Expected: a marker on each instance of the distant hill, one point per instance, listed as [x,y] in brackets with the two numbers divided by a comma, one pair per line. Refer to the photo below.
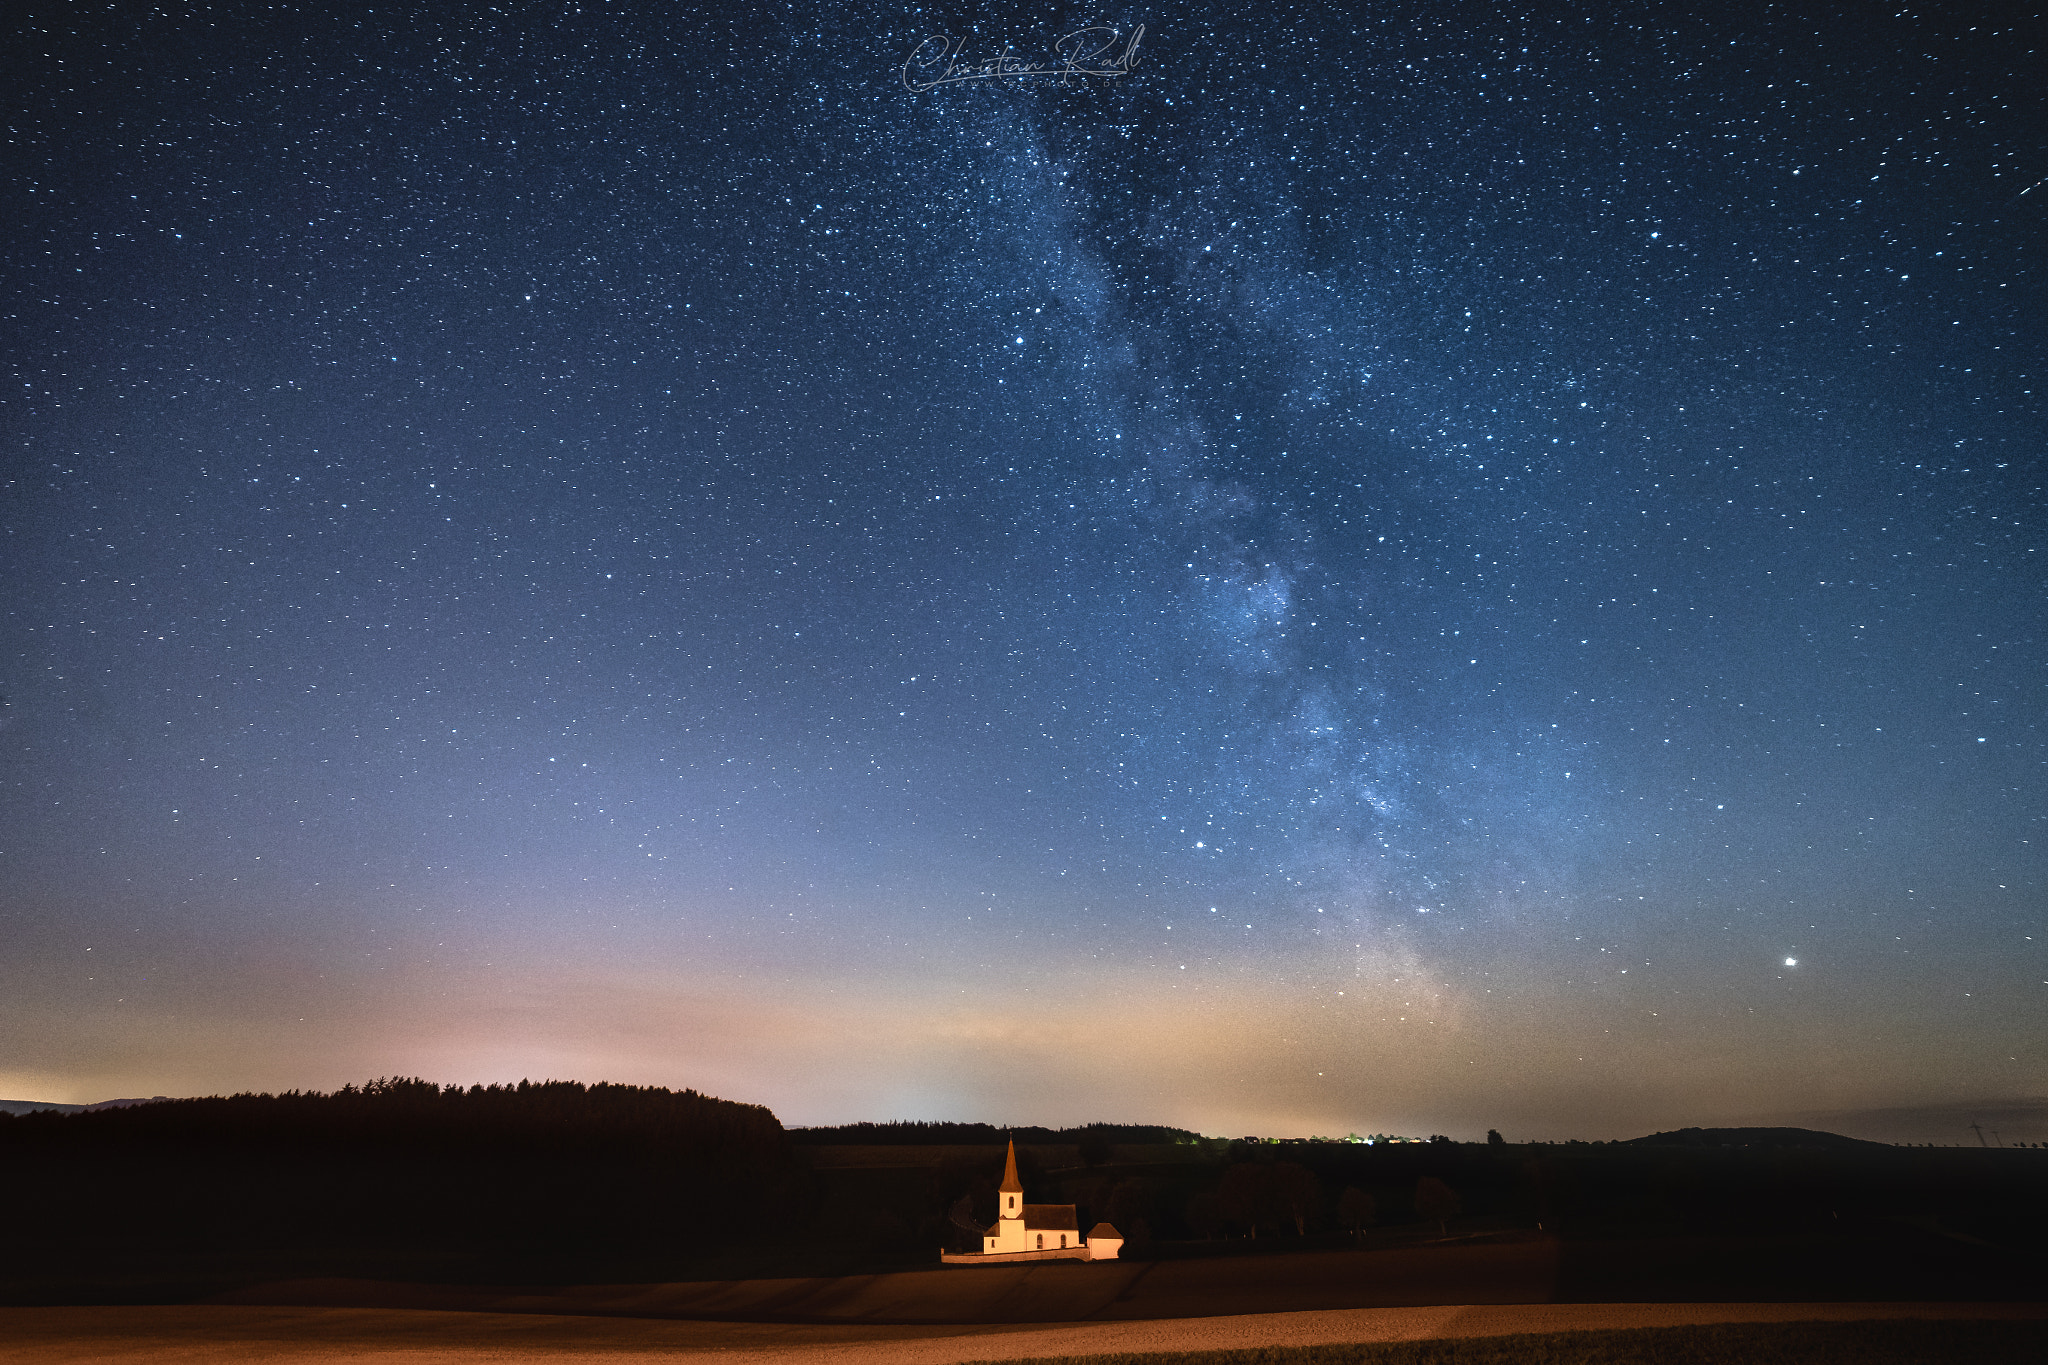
[44,1107]
[1753,1137]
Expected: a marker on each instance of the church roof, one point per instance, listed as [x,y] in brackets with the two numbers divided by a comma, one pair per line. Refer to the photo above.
[1051,1218]
[1011,1184]
[1104,1230]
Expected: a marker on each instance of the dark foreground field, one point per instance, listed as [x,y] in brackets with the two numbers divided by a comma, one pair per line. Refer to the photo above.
[1548,1334]
[1520,1270]
[1477,1303]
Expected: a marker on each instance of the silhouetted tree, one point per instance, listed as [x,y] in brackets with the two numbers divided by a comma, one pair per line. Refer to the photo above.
[1204,1214]
[1298,1193]
[1434,1199]
[1130,1203]
[1091,1198]
[961,1216]
[1357,1210]
[1494,1139]
[1246,1195]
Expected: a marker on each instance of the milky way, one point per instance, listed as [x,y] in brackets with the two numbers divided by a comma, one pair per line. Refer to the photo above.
[1439,568]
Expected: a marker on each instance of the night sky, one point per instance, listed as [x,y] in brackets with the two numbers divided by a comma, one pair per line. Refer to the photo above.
[1408,569]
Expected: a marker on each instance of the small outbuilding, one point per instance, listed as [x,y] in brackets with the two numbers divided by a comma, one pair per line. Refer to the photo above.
[1105,1243]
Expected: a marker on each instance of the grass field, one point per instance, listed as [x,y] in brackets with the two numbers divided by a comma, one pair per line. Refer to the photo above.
[1526,1334]
[1789,1343]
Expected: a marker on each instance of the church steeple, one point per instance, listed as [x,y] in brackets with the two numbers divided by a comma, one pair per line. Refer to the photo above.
[1012,1189]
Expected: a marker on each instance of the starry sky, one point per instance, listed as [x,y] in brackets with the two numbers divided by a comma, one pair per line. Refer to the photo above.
[1410,569]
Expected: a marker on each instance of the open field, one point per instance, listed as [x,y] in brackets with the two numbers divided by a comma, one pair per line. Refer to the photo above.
[317,1336]
[1903,1266]
[932,1317]
[1048,1291]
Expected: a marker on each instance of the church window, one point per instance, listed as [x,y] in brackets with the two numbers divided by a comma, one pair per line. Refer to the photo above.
[1041,1241]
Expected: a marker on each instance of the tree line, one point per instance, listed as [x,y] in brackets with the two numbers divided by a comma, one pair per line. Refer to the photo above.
[398,1177]
[404,1112]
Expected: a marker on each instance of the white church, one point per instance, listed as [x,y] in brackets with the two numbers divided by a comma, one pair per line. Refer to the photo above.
[1036,1232]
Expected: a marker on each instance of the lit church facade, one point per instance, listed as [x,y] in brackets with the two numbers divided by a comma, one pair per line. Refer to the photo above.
[1036,1232]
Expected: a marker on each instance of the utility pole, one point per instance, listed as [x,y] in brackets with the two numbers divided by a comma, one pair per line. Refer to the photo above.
[1980,1135]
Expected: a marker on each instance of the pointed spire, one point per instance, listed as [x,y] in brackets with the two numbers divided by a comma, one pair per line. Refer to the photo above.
[1011,1184]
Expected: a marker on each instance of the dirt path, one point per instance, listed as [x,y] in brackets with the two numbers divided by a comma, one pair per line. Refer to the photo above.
[320,1336]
